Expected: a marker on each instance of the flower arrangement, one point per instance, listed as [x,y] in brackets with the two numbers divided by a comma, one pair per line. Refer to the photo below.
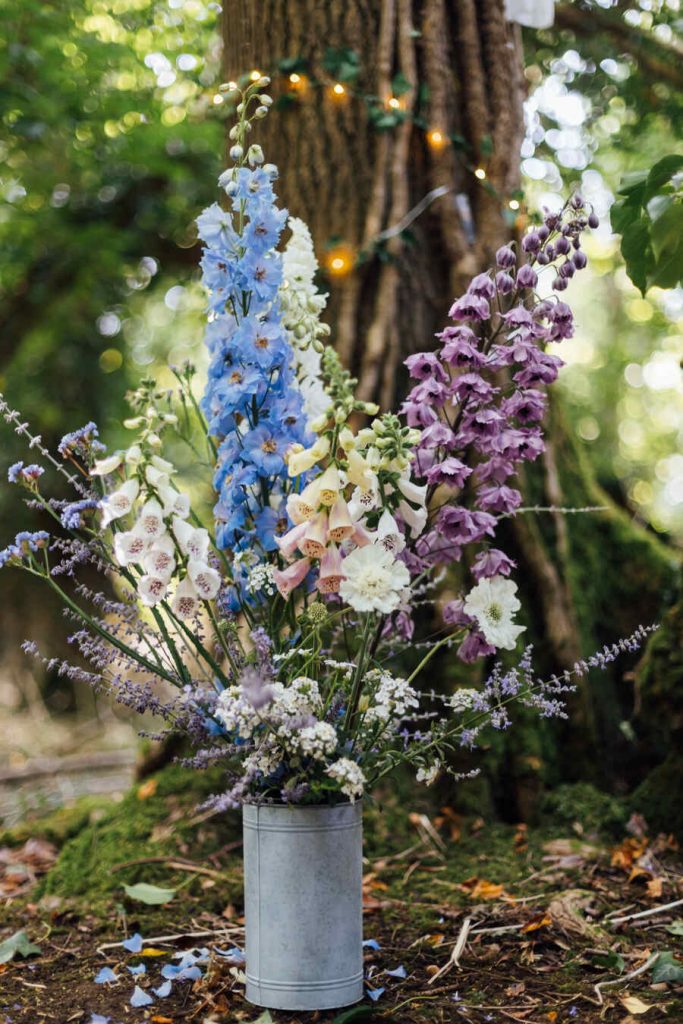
[272,634]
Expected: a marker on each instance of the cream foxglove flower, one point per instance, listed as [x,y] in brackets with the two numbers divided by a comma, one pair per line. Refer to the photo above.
[120,502]
[103,467]
[175,503]
[150,522]
[152,589]
[300,461]
[374,580]
[192,541]
[416,518]
[130,546]
[185,603]
[159,560]
[206,580]
[493,603]
[389,534]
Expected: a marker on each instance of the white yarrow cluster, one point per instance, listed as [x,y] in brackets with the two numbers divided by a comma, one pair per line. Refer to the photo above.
[318,741]
[301,305]
[392,700]
[349,776]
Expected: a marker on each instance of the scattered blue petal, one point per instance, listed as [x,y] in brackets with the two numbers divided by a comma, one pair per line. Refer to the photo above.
[163,990]
[140,997]
[138,969]
[398,972]
[371,944]
[374,993]
[181,972]
[104,975]
[234,953]
[97,1018]
[133,944]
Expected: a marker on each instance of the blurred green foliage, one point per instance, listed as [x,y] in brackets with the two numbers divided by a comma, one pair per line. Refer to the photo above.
[111,142]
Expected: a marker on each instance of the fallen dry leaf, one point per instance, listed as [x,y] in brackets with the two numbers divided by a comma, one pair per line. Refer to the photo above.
[654,887]
[552,1016]
[147,789]
[635,1005]
[626,855]
[481,889]
[539,921]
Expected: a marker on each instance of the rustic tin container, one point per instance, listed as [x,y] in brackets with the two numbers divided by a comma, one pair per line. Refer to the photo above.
[303,905]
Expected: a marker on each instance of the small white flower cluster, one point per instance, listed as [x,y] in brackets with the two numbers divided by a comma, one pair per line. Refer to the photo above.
[462,700]
[349,776]
[301,304]
[392,699]
[260,580]
[429,773]
[159,550]
[318,741]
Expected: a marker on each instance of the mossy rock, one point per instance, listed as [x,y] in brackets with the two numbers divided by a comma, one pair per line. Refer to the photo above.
[580,802]
[59,825]
[658,798]
[659,680]
[138,838]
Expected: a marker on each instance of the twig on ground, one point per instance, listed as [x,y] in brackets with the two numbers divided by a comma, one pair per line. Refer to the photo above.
[180,864]
[627,977]
[458,950]
[168,939]
[647,913]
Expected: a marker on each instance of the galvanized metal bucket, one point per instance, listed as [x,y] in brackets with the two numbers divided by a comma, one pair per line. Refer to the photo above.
[303,905]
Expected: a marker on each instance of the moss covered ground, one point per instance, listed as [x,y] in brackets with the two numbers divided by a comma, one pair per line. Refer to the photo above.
[536,911]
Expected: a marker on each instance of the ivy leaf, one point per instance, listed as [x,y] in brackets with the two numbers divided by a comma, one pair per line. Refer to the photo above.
[675,928]
[343,64]
[667,968]
[152,895]
[610,961]
[18,944]
[400,84]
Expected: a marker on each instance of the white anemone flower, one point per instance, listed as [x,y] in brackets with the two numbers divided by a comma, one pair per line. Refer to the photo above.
[206,580]
[120,502]
[493,603]
[374,581]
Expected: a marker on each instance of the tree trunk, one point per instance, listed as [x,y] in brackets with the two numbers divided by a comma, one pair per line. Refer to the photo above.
[350,182]
[461,65]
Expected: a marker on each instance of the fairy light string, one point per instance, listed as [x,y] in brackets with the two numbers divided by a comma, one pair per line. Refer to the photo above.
[341,68]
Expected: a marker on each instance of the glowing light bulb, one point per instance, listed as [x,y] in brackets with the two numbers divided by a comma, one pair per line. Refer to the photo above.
[393,103]
[513,204]
[480,173]
[255,75]
[338,89]
[436,139]
[217,99]
[294,78]
[340,260]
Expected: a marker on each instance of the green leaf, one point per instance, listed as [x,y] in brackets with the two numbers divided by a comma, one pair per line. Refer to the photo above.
[343,64]
[632,182]
[667,230]
[400,84]
[292,65]
[18,944]
[667,968]
[609,961]
[663,171]
[636,250]
[356,1014]
[152,895]
[676,927]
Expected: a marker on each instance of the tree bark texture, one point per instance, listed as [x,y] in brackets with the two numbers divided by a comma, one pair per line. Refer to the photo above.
[351,182]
